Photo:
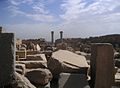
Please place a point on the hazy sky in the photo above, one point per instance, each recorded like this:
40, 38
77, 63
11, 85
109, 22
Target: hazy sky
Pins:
77, 18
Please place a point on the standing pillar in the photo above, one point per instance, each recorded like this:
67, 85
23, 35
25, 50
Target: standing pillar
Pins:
7, 58
52, 37
102, 65
61, 36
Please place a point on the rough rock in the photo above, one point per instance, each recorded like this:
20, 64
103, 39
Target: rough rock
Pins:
117, 63
66, 61
33, 64
70, 57
36, 57
19, 82
118, 70
44, 86
29, 52
23, 82
20, 68
55, 66
21, 53
19, 71
7, 58
68, 68
67, 80
39, 76
117, 80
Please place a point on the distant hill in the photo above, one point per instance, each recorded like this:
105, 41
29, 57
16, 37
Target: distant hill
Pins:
114, 39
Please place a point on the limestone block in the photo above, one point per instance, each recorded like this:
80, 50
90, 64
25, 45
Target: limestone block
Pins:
20, 71
43, 86
55, 66
67, 80
29, 52
68, 68
21, 53
20, 68
71, 58
34, 64
22, 82
39, 76
17, 57
66, 61
7, 58
117, 63
36, 57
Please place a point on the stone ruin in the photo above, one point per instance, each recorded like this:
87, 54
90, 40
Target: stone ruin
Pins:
58, 70
0, 29
8, 76
7, 59
102, 66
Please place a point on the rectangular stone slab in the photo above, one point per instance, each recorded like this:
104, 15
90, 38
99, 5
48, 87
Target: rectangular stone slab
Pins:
70, 58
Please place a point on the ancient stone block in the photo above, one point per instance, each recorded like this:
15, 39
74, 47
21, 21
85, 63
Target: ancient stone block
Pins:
33, 64
69, 62
21, 53
20, 68
67, 80
36, 57
117, 63
102, 66
22, 82
29, 52
7, 58
0, 29
39, 76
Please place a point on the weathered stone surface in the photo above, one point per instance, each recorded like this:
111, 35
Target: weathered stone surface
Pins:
71, 58
117, 63
117, 80
36, 57
21, 53
62, 46
19, 82
33, 64
20, 71
68, 68
39, 76
55, 66
22, 82
20, 68
43, 86
67, 80
116, 55
102, 66
7, 58
66, 61
118, 70
38, 47
87, 55
29, 52
17, 58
